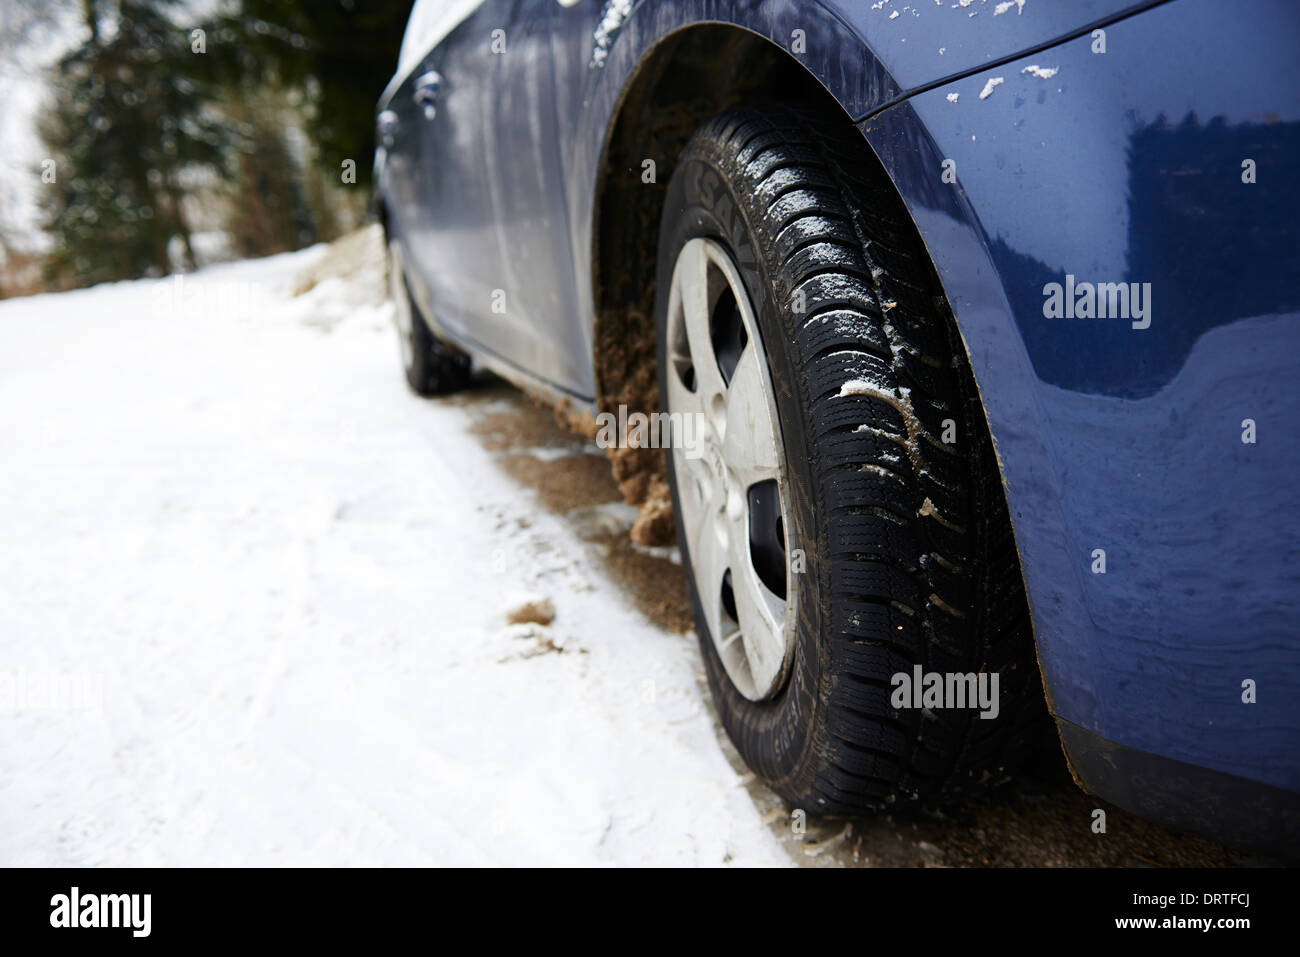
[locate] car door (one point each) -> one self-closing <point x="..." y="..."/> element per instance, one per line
<point x="489" y="249"/>
<point x="452" y="248"/>
<point x="535" y="296"/>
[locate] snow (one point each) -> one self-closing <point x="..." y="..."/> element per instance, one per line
<point x="865" y="387"/>
<point x="254" y="599"/>
<point x="612" y="17"/>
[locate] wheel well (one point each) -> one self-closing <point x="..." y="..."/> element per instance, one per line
<point x="690" y="77"/>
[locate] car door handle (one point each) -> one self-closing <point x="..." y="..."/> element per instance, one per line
<point x="427" y="87"/>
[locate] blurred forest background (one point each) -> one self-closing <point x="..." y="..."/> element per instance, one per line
<point x="176" y="133"/>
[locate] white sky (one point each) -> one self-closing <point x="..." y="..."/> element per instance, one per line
<point x="22" y="88"/>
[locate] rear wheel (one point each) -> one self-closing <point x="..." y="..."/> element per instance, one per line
<point x="840" y="514"/>
<point x="431" y="366"/>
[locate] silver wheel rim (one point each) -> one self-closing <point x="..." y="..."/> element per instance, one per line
<point x="731" y="484"/>
<point x="401" y="303"/>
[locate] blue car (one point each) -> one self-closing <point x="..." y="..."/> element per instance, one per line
<point x="955" y="342"/>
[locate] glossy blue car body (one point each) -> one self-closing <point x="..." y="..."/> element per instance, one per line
<point x="1155" y="144"/>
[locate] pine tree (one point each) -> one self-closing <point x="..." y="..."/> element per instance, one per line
<point x="269" y="210"/>
<point x="131" y="122"/>
<point x="341" y="53"/>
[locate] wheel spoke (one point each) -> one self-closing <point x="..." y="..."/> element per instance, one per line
<point x="708" y="559"/>
<point x="750" y="439"/>
<point x="691" y="294"/>
<point x="761" y="615"/>
<point x="682" y="399"/>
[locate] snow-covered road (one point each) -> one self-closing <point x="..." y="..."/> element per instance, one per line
<point x="253" y="598"/>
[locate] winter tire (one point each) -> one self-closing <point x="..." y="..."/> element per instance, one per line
<point x="431" y="366"/>
<point x="842" y="519"/>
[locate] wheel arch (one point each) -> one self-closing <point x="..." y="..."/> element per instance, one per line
<point x="690" y="75"/>
<point x="686" y="77"/>
<point x="678" y="84"/>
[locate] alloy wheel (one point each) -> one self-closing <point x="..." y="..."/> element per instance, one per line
<point x="731" y="480"/>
